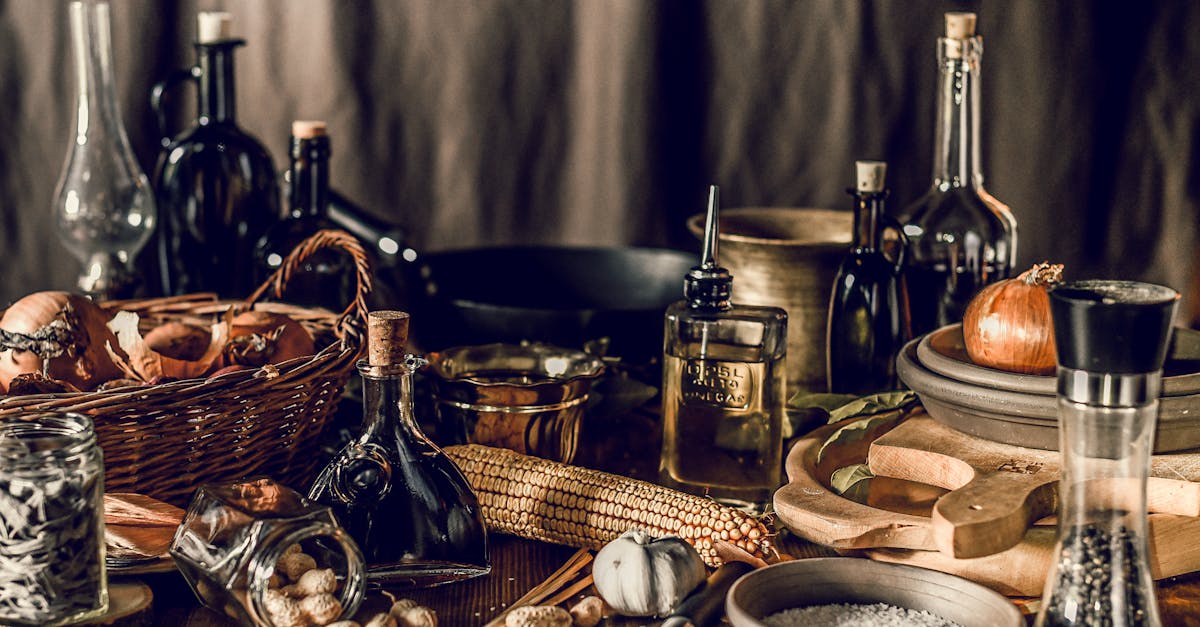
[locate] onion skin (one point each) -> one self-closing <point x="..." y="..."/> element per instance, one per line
<point x="86" y="367"/>
<point x="1007" y="326"/>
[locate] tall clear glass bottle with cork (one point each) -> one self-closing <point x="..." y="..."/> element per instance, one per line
<point x="215" y="182"/>
<point x="723" y="387"/>
<point x="961" y="238"/>
<point x="407" y="506"/>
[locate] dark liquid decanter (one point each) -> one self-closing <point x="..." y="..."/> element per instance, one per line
<point x="215" y="182"/>
<point x="960" y="237"/>
<point x="868" y="314"/>
<point x="404" y="502"/>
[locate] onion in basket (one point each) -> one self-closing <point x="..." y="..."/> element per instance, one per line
<point x="73" y="335"/>
<point x="262" y="337"/>
<point x="1007" y="325"/>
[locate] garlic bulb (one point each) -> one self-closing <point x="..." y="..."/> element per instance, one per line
<point x="637" y="575"/>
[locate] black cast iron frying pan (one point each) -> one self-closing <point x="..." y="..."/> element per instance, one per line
<point x="556" y="294"/>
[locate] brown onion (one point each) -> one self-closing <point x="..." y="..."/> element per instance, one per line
<point x="262" y="337"/>
<point x="1007" y="325"/>
<point x="179" y="340"/>
<point x="84" y="363"/>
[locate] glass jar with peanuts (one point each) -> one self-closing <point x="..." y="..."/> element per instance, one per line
<point x="266" y="556"/>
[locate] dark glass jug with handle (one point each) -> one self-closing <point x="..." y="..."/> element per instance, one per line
<point x="215" y="183"/>
<point x="868" y="310"/>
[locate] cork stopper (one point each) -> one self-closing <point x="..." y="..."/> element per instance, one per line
<point x="960" y="25"/>
<point x="214" y="26"/>
<point x="870" y="176"/>
<point x="387" y="332"/>
<point x="308" y="129"/>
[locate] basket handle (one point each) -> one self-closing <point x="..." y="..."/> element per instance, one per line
<point x="328" y="238"/>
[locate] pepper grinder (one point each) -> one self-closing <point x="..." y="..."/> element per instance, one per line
<point x="1112" y="339"/>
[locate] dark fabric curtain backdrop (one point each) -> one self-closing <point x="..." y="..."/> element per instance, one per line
<point x="600" y="122"/>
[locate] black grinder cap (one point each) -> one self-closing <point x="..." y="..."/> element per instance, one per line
<point x="1119" y="327"/>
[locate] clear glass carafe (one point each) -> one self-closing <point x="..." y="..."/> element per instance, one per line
<point x="51" y="520"/>
<point x="104" y="206"/>
<point x="233" y="544"/>
<point x="1112" y="339"/>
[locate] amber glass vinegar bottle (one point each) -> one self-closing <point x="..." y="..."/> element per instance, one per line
<point x="723" y="387"/>
<point x="404" y="502"/>
<point x="215" y="183"/>
<point x="960" y="237"/>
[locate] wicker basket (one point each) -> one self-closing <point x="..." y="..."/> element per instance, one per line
<point x="166" y="440"/>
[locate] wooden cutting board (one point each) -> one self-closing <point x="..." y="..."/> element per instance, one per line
<point x="997" y="491"/>
<point x="896" y="524"/>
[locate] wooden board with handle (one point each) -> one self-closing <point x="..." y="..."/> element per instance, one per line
<point x="997" y="491"/>
<point x="893" y="532"/>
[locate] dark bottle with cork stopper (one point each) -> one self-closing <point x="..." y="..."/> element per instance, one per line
<point x="396" y="493"/>
<point x="325" y="279"/>
<point x="868" y="311"/>
<point x="215" y="182"/>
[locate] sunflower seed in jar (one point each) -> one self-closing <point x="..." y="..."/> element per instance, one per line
<point x="51" y="520"/>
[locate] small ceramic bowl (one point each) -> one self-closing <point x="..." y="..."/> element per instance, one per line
<point x="836" y="580"/>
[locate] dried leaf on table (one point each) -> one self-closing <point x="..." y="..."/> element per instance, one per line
<point x="873" y="404"/>
<point x="139" y="510"/>
<point x="858" y="430"/>
<point x="137" y="526"/>
<point x="827" y="402"/>
<point x="852" y="482"/>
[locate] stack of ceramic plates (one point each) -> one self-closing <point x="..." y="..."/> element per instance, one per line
<point x="1022" y="409"/>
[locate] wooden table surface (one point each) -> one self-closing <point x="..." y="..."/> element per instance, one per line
<point x="627" y="443"/>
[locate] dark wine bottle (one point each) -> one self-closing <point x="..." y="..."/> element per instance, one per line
<point x="960" y="237"/>
<point x="325" y="279"/>
<point x="407" y="506"/>
<point x="868" y="313"/>
<point x="215" y="183"/>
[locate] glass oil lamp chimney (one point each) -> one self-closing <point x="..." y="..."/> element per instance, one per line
<point x="104" y="206"/>
<point x="1112" y="339"/>
<point x="723" y="387"/>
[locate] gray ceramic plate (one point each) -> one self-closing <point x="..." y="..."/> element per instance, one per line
<point x="826" y="580"/>
<point x="1022" y="418"/>
<point x="943" y="352"/>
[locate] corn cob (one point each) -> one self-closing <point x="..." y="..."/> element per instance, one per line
<point x="554" y="502"/>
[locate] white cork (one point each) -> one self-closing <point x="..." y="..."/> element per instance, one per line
<point x="214" y="26"/>
<point x="308" y="129"/>
<point x="960" y="25"/>
<point x="870" y="176"/>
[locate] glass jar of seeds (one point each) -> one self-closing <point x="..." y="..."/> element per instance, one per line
<point x="264" y="555"/>
<point x="51" y="520"/>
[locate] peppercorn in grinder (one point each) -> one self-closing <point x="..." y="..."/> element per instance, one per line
<point x="1111" y="338"/>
